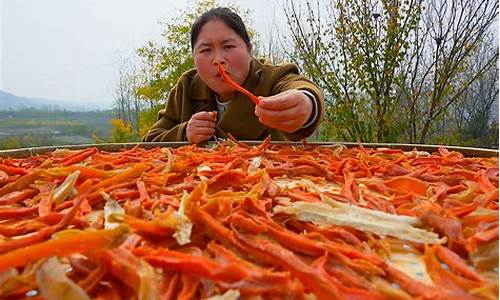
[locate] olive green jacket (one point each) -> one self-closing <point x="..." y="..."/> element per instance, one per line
<point x="191" y="95"/>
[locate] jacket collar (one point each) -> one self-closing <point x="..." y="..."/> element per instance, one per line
<point x="200" y="91"/>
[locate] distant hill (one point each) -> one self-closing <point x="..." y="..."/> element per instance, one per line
<point x="10" y="101"/>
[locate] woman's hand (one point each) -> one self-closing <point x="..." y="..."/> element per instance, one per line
<point x="287" y="111"/>
<point x="201" y="126"/>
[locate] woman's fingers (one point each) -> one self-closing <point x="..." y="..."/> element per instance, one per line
<point x="205" y="115"/>
<point x="280" y="115"/>
<point x="195" y="139"/>
<point x="201" y="126"/>
<point x="287" y="111"/>
<point x="203" y="131"/>
<point x="202" y="123"/>
<point x="287" y="126"/>
<point x="281" y="101"/>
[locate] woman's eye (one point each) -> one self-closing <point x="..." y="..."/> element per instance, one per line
<point x="229" y="46"/>
<point x="204" y="50"/>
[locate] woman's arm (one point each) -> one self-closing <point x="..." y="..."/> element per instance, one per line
<point x="168" y="128"/>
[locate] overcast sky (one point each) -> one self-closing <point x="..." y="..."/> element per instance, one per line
<point x="71" y="50"/>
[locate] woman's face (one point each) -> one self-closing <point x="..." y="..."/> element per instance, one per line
<point x="217" y="43"/>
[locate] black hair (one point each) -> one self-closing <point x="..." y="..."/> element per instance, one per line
<point x="226" y="15"/>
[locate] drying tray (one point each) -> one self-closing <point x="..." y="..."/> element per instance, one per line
<point x="114" y="147"/>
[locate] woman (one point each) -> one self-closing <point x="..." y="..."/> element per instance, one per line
<point x="202" y="105"/>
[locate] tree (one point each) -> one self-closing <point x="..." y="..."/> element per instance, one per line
<point x="391" y="70"/>
<point x="437" y="72"/>
<point x="127" y="105"/>
<point x="121" y="132"/>
<point x="475" y="116"/>
<point x="355" y="55"/>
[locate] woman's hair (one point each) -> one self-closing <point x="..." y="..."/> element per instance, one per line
<point x="226" y="15"/>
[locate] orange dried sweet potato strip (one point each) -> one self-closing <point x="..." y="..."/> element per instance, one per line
<point x="473" y="221"/>
<point x="160" y="229"/>
<point x="348" y="276"/>
<point x="456" y="264"/>
<point x="44" y="233"/>
<point x="96" y="196"/>
<point x="131" y="271"/>
<point x="78" y="157"/>
<point x="318" y="283"/>
<point x="133" y="172"/>
<point x="189" y="287"/>
<point x="305" y="245"/>
<point x="169" y="284"/>
<point x="298" y="195"/>
<point x="464" y="210"/>
<point x="86" y="171"/>
<point x="198" y="266"/>
<point x="20" y="183"/>
<point x="291" y="240"/>
<point x="258" y="273"/>
<point x="236" y="86"/>
<point x="484" y="183"/>
<point x="119" y="194"/>
<point x="306" y="161"/>
<point x="17" y="196"/>
<point x="108" y="292"/>
<point x="62" y="245"/>
<point x="354" y="259"/>
<point x="332" y="232"/>
<point x="219" y="231"/>
<point x="406" y="184"/>
<point x="27" y="226"/>
<point x="45" y="204"/>
<point x="452" y="228"/>
<point x="238" y="220"/>
<point x="410" y="285"/>
<point x="10" y="231"/>
<point x="7" y="213"/>
<point x="481" y="237"/>
<point x="347" y="292"/>
<point x="349" y="190"/>
<point x="143" y="192"/>
<point x="447" y="280"/>
<point x="92" y="279"/>
<point x="12" y="170"/>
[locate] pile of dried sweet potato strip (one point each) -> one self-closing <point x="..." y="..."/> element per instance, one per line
<point x="249" y="222"/>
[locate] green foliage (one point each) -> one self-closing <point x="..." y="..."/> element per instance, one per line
<point x="355" y="56"/>
<point x="10" y="143"/>
<point x="97" y="139"/>
<point x="392" y="71"/>
<point x="148" y="117"/>
<point x="480" y="132"/>
<point x="121" y="132"/>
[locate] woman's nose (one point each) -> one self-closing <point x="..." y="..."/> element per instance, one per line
<point x="218" y="58"/>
